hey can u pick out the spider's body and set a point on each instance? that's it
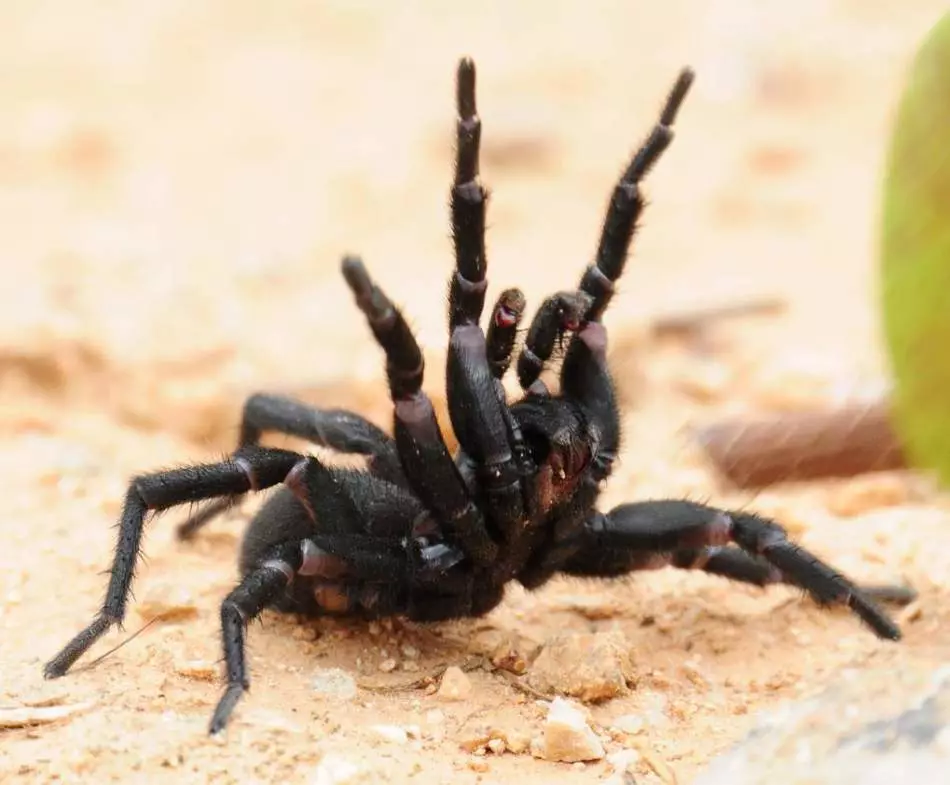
(429, 536)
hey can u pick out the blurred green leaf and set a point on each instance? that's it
(915, 256)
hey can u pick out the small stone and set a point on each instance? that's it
(508, 651)
(388, 665)
(623, 761)
(589, 666)
(478, 765)
(334, 769)
(199, 670)
(505, 728)
(391, 733)
(334, 682)
(169, 602)
(567, 736)
(409, 652)
(455, 685)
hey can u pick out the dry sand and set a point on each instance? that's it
(178, 183)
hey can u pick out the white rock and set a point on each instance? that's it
(390, 733)
(334, 682)
(567, 736)
(334, 769)
(455, 685)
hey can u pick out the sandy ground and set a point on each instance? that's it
(178, 182)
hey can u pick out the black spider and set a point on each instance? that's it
(421, 534)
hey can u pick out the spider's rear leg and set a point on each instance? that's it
(250, 469)
(627, 203)
(337, 429)
(646, 535)
(428, 466)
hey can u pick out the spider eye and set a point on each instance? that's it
(538, 445)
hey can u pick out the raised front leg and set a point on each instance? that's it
(426, 461)
(626, 205)
(652, 534)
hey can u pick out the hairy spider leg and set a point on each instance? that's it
(627, 203)
(620, 223)
(337, 429)
(253, 468)
(331, 561)
(652, 534)
(487, 434)
(428, 466)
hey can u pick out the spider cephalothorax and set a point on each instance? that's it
(428, 535)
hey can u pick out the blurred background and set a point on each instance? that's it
(179, 180)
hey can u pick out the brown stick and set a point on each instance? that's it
(685, 322)
(840, 442)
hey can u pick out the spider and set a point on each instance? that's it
(429, 536)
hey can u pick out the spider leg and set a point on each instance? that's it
(738, 565)
(336, 573)
(426, 461)
(252, 468)
(627, 203)
(258, 589)
(468, 285)
(477, 408)
(337, 429)
(647, 534)
(585, 377)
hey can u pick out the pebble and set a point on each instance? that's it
(168, 601)
(391, 733)
(334, 769)
(455, 685)
(334, 682)
(567, 738)
(623, 761)
(501, 734)
(589, 666)
(199, 670)
(388, 665)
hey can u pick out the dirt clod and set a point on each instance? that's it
(590, 666)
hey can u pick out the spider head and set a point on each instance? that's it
(559, 440)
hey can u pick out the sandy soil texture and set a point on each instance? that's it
(178, 182)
